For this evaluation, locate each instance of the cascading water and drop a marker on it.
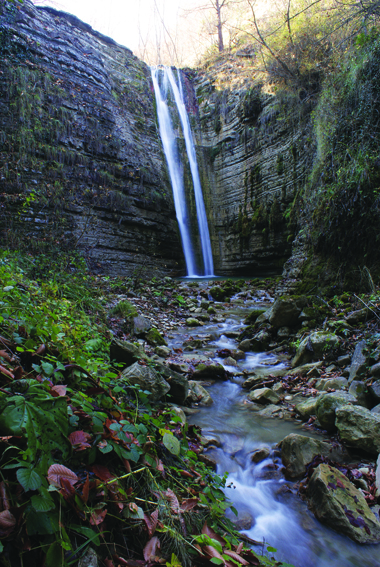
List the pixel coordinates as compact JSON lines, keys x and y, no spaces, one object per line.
{"x":176,"y":177}
{"x":171,"y":153}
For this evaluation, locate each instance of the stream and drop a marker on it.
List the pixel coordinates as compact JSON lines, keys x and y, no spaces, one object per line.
{"x":269,"y":508}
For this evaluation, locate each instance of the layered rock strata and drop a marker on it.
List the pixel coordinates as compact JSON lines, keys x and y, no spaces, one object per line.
{"x":81,"y":162}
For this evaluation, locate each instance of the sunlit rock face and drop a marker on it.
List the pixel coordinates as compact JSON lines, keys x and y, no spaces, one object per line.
{"x":255,"y":152}
{"x":81,"y":161}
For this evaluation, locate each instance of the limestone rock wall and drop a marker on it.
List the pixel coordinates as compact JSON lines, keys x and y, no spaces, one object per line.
{"x":254,"y":147}
{"x":81,"y":162}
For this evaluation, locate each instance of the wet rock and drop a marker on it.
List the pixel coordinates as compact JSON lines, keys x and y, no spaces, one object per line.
{"x":307,"y":408}
{"x":284,"y":312}
{"x":211,"y":370}
{"x":360,"y":391}
{"x":358,"y":316}
{"x":306,"y":369}
{"x":181,"y":367}
{"x":260,"y":341}
{"x":253,"y":381}
{"x":140,"y":325}
{"x":374,"y":392}
{"x":260,"y":455}
{"x":299,"y":450}
{"x":147,"y":379}
{"x":283,"y":332}
{"x":327,"y":405}
{"x":314,"y":347}
{"x":358,"y":362}
{"x":191,"y":322}
{"x":245,"y":345}
{"x":264,"y":396}
{"x":232,"y":444}
{"x":178,"y":383}
{"x":210,"y":440}
{"x":243,"y":521}
{"x":229,"y":361}
{"x":272,"y":412}
{"x":218,"y":293}
{"x":359,"y":428}
{"x":125,"y":352}
{"x":238,"y":354}
{"x":343,"y":360}
{"x":376,"y":410}
{"x":375,"y":370}
{"x":278,"y":388}
{"x":179,"y":413}
{"x":162,"y":351}
{"x":198,"y":394}
{"x":155,"y":338}
{"x":337,"y":503}
{"x":337,"y":383}
{"x":207,"y":460}
{"x":251,"y":318}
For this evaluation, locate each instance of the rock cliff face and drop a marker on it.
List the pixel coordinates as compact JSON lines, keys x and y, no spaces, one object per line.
{"x":81,"y":162}
{"x":255,"y":155}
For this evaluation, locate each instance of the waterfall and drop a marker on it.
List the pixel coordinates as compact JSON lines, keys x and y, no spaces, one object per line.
{"x":171,"y":153}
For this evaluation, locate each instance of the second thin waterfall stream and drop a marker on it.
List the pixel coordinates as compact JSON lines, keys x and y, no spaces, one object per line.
{"x":164,"y":83}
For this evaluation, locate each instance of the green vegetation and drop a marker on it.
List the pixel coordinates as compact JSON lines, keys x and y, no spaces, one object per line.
{"x":84,"y":460}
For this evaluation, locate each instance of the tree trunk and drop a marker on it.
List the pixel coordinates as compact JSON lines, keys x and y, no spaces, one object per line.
{"x":219,"y":25}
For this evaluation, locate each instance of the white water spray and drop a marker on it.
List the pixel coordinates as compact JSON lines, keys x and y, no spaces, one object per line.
{"x":166,"y":131}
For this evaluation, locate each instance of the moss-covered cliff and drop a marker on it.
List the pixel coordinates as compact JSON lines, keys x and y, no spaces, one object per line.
{"x":81,"y":162}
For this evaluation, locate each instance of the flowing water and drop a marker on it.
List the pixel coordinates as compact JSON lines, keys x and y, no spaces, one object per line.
{"x":169,"y":143}
{"x":260,"y":492}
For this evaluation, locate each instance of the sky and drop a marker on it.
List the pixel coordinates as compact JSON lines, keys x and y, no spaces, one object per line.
{"x":123,"y":20}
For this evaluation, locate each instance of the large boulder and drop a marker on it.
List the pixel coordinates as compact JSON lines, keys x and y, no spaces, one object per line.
{"x":374,"y":392}
{"x":327,"y":405}
{"x":155,"y":338}
{"x":358,"y":362}
{"x":211,"y":371}
{"x":179,"y":384}
{"x":314,"y":347}
{"x":264,"y":396}
{"x":125,"y":352}
{"x":139,"y":325}
{"x":299,"y":450}
{"x":147,"y":379}
{"x":198,"y":394}
{"x":358,"y":427}
{"x":261,"y":341}
{"x":307,"y":407}
{"x":285,"y":312}
{"x":337,"y":503}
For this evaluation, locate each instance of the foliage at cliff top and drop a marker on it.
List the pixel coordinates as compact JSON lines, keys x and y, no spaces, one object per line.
{"x":85,"y":460}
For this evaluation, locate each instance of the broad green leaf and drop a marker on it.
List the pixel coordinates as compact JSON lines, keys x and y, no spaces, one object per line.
{"x":87,"y":532}
{"x":54,"y":556}
{"x":171,"y":443}
{"x":42,"y":503}
{"x":29,"y":478}
{"x":217,"y":561}
{"x":47,"y":368}
{"x":107,"y":449}
{"x":271,"y":549}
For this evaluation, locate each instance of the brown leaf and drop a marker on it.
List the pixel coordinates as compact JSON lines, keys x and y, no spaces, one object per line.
{"x":97,"y":517}
{"x":57,"y":391}
{"x":239,"y":547}
{"x":189,"y":504}
{"x":109,"y":563}
{"x":151,"y":522}
{"x":79,"y":440}
{"x":172,"y":499}
{"x":18,"y":372}
{"x":235,"y":556}
{"x":151,"y":549}
{"x":102,"y":472}
{"x":86,"y":490}
{"x":210,"y":532}
{"x":211,"y":551}
{"x":6,"y":356}
{"x":6,"y":372}
{"x":41,"y":350}
{"x":58,"y":472}
{"x":7,"y":520}
{"x":4,"y":500}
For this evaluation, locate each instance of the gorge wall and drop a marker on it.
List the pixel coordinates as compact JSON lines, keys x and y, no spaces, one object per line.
{"x":255,"y":151}
{"x":81,"y":162}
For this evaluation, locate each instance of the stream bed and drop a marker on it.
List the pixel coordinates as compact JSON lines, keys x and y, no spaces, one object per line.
{"x":269,"y":508}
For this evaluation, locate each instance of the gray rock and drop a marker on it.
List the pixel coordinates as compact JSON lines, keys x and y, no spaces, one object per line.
{"x":307,"y":408}
{"x":125,"y":352}
{"x":376,"y":410}
{"x":284,"y":312}
{"x":283,"y":332}
{"x":358,"y":362}
{"x":359,"y":428}
{"x":337,"y":383}
{"x":314,"y":347}
{"x":245,"y":345}
{"x":299,"y":450}
{"x":162,"y":351}
{"x":337,"y":503}
{"x":211,"y":370}
{"x":360,"y":391}
{"x":191,"y":322}
{"x":260,"y":454}
{"x":179,"y":413}
{"x":327,"y":405}
{"x":273,"y":412}
{"x":140,"y":325}
{"x":90,"y":559}
{"x":358,"y":316}
{"x":375,"y":370}
{"x":147,"y":379}
{"x":198,"y":394}
{"x":343,"y":360}
{"x":179,"y":384}
{"x":374,"y":392}
{"x":260,"y":341}
{"x":306,"y":369}
{"x":264,"y":396}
